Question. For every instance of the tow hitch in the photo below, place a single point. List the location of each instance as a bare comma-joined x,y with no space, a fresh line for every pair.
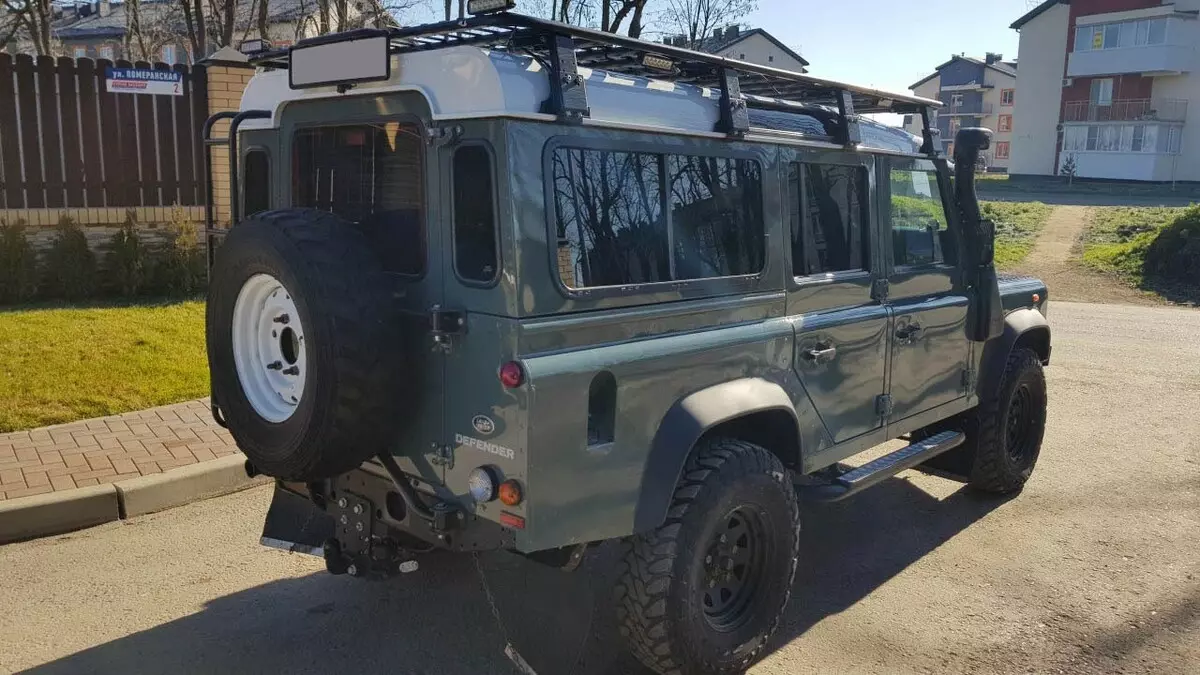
354,549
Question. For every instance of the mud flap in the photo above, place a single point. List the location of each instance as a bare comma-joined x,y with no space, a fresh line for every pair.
296,525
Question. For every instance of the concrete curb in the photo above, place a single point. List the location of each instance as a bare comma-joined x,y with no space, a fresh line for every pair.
58,512
177,487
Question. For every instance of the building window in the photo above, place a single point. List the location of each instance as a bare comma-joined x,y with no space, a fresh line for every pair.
1005,123
741,57
106,52
1135,138
1102,91
1002,150
475,237
956,100
771,58
830,213
80,52
168,54
621,222
918,215
1007,96
1140,33
955,125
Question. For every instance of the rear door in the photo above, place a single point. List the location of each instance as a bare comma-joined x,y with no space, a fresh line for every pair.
376,172
841,330
481,426
928,341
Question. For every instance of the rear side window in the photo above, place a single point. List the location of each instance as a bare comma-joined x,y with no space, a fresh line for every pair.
830,212
920,235
474,215
373,175
636,218
256,183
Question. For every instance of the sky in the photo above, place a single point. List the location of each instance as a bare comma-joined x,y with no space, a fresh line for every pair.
887,44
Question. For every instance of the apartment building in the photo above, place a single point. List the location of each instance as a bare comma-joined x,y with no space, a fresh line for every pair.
1109,84
976,93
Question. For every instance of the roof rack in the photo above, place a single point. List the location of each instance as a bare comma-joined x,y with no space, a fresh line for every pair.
564,49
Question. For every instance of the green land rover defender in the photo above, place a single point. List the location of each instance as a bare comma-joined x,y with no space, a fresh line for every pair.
504,283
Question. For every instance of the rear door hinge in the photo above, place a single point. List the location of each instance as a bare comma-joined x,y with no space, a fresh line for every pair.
880,289
883,405
444,324
443,455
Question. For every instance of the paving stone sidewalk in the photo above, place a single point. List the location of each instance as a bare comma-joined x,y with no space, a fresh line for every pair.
109,449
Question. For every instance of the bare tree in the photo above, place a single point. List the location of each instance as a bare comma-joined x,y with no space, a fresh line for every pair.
193,16
697,19
27,19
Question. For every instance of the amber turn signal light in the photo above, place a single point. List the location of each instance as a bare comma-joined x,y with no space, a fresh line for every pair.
510,493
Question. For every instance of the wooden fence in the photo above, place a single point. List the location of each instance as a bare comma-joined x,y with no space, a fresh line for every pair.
65,142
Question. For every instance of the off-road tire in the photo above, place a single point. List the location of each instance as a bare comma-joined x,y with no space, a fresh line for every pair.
348,408
659,599
984,460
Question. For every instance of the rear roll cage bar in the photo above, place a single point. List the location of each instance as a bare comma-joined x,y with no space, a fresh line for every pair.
211,231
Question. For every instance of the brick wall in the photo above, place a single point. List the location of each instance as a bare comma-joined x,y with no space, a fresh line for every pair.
566,265
226,82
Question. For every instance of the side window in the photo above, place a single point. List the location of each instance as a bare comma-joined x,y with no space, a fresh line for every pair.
830,212
920,234
611,228
716,217
474,215
256,183
371,174
635,218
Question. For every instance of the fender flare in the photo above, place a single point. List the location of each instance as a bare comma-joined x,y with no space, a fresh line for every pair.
1022,323
683,426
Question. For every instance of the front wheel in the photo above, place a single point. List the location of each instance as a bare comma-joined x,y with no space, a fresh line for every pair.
705,591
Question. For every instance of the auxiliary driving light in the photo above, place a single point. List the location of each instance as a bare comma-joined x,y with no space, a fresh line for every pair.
482,484
475,7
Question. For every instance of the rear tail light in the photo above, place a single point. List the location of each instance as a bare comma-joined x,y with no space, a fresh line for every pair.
512,520
512,375
511,493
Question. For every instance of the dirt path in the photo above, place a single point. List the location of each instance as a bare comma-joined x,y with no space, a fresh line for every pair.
1055,260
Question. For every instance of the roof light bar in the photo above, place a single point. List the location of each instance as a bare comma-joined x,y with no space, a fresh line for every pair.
477,7
657,62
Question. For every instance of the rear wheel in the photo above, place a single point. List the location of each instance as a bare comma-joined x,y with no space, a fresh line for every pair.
705,591
302,344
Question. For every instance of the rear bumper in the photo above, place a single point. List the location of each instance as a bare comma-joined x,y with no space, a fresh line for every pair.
360,515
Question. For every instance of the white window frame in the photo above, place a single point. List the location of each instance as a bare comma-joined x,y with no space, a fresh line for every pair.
168,54
1105,96
956,100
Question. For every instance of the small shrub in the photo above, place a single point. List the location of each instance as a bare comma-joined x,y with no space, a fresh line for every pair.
125,260
18,264
182,268
1174,254
70,266
1068,168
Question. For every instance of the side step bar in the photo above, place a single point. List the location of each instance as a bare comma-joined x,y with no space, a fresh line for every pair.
872,473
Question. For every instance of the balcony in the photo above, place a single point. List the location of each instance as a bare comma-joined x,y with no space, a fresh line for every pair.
973,109
1126,110
1165,59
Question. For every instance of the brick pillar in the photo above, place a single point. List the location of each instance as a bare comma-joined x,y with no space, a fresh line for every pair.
226,82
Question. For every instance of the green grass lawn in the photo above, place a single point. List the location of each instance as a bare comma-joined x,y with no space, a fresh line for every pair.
1017,227
61,365
1119,238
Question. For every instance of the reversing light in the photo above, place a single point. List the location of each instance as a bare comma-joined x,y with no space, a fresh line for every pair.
490,6
482,484
510,493
512,375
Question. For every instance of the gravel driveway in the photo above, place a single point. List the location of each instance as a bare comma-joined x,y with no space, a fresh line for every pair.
1094,568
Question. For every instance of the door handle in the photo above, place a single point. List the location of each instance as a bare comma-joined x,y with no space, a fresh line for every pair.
911,331
820,353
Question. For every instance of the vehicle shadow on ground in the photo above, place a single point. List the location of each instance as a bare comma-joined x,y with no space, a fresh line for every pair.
438,620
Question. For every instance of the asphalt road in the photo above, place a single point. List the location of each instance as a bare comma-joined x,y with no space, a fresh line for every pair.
1094,568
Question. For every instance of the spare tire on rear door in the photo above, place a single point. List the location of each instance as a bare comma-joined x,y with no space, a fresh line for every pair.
303,346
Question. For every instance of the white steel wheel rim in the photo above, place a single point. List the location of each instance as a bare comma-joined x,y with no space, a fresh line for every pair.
269,348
